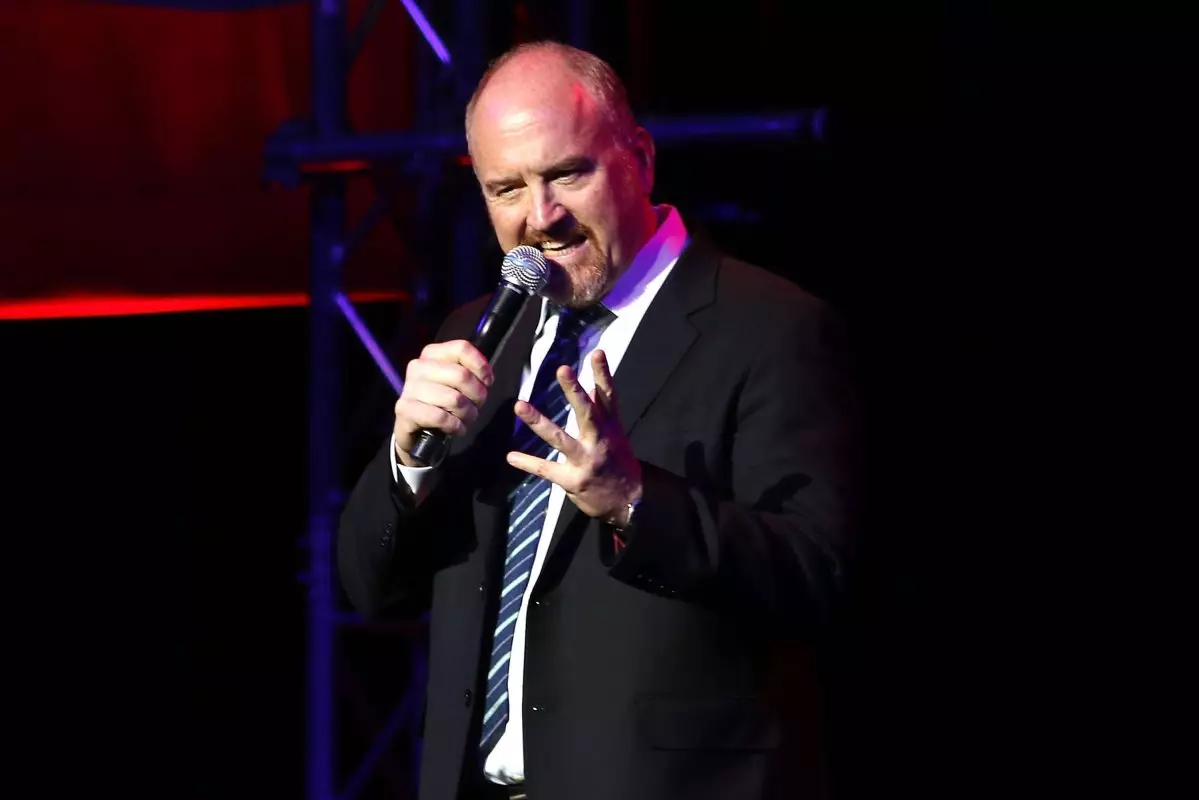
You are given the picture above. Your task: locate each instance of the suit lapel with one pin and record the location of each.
(663, 337)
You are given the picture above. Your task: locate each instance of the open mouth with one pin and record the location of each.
(565, 248)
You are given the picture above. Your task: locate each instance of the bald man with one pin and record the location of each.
(641, 528)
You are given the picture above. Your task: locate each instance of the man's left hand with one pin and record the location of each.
(600, 475)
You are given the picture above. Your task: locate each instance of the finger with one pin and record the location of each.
(583, 407)
(551, 433)
(413, 415)
(443, 397)
(460, 351)
(552, 471)
(605, 389)
(453, 375)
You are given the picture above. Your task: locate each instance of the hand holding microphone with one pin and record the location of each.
(447, 385)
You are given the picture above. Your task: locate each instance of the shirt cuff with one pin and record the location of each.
(420, 480)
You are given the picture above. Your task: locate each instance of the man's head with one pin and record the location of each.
(562, 165)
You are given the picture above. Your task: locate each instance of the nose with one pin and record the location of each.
(545, 211)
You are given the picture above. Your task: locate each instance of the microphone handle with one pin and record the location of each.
(430, 446)
(494, 326)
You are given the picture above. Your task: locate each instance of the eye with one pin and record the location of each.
(571, 172)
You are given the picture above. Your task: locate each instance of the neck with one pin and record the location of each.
(649, 220)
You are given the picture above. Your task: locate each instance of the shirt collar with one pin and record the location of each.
(628, 295)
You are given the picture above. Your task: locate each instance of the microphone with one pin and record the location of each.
(523, 274)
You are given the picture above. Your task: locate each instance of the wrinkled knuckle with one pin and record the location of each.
(407, 408)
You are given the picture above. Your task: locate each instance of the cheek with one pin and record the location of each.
(506, 226)
(600, 213)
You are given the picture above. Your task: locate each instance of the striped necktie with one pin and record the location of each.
(526, 511)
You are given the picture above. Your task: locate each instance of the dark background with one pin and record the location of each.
(976, 214)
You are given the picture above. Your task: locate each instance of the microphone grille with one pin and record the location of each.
(525, 266)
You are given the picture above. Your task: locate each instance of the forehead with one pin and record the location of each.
(527, 122)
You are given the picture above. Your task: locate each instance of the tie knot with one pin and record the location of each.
(573, 321)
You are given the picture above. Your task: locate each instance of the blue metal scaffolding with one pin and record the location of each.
(306, 153)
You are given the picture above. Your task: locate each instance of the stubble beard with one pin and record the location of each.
(582, 284)
(588, 282)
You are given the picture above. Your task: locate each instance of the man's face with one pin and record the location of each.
(556, 174)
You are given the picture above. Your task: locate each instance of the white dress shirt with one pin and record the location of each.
(627, 300)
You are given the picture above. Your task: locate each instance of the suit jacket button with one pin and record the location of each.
(467, 696)
(480, 588)
(537, 708)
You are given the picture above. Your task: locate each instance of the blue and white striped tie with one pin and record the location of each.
(526, 516)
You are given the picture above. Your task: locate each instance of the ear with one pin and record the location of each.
(643, 152)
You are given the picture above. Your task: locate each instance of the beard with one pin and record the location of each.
(581, 283)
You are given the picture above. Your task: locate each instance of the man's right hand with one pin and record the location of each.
(443, 390)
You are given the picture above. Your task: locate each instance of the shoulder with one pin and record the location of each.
(760, 292)
(759, 309)
(749, 300)
(777, 327)
(460, 323)
(711, 274)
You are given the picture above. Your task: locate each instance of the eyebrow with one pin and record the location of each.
(570, 164)
(577, 163)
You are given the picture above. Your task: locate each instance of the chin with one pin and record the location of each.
(572, 299)
(577, 291)
(583, 296)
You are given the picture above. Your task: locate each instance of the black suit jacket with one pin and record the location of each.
(680, 667)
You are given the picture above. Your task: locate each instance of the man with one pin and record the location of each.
(640, 527)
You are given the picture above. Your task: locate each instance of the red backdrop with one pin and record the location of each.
(132, 139)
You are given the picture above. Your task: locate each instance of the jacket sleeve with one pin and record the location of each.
(777, 547)
(388, 547)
